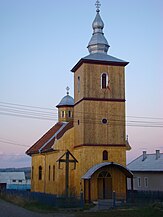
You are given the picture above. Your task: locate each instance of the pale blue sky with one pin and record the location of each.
(41, 40)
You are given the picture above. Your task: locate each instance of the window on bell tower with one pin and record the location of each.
(105, 155)
(69, 114)
(104, 80)
(62, 114)
(78, 84)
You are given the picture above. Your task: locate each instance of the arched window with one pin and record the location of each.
(53, 172)
(49, 172)
(104, 174)
(62, 114)
(78, 84)
(104, 80)
(105, 155)
(40, 173)
(69, 114)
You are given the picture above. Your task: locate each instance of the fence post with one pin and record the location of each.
(114, 199)
(81, 199)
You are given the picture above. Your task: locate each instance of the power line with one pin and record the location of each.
(93, 120)
(4, 107)
(12, 143)
(113, 124)
(56, 111)
(3, 155)
(22, 112)
(27, 116)
(29, 106)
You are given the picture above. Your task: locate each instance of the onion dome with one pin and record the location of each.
(98, 42)
(66, 101)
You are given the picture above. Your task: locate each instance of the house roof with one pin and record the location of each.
(96, 167)
(7, 176)
(149, 163)
(46, 142)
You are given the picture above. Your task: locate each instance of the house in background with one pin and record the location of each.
(14, 180)
(148, 172)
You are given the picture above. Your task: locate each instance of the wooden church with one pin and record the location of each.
(86, 150)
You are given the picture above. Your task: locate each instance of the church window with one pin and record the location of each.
(104, 80)
(104, 121)
(49, 172)
(53, 172)
(78, 84)
(40, 173)
(69, 114)
(105, 155)
(62, 114)
(104, 174)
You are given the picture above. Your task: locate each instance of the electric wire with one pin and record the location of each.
(12, 143)
(25, 111)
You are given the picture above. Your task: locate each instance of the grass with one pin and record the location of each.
(128, 212)
(30, 205)
(152, 210)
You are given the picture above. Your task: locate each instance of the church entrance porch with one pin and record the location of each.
(101, 180)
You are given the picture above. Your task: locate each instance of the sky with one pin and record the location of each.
(41, 41)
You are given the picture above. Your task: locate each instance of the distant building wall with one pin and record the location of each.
(147, 181)
(14, 180)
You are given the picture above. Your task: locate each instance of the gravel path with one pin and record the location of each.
(11, 210)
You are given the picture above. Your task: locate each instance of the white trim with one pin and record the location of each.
(107, 79)
(64, 124)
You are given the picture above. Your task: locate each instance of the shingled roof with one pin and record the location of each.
(46, 142)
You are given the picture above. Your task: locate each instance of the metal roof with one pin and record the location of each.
(6, 176)
(66, 101)
(96, 167)
(98, 47)
(104, 57)
(99, 58)
(151, 163)
(98, 42)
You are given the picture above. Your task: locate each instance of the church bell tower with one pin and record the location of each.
(99, 98)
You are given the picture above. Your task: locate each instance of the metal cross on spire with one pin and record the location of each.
(98, 6)
(67, 88)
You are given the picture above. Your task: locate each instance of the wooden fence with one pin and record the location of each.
(47, 199)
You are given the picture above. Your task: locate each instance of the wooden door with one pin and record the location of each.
(104, 185)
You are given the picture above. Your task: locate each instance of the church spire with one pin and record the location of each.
(98, 42)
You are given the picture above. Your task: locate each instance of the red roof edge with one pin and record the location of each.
(34, 149)
(45, 143)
